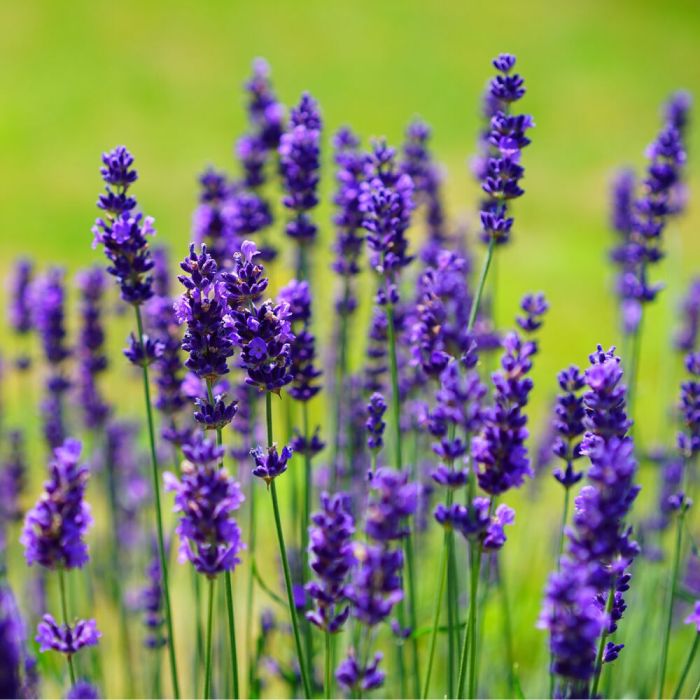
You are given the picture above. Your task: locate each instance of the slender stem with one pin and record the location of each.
(634, 367)
(328, 676)
(696, 694)
(341, 373)
(283, 556)
(250, 607)
(210, 624)
(436, 616)
(480, 288)
(688, 664)
(64, 610)
(670, 595)
(229, 592)
(306, 520)
(199, 635)
(474, 585)
(601, 645)
(159, 514)
(396, 415)
(507, 626)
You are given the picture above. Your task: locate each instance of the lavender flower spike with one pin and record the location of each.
(331, 558)
(206, 498)
(66, 639)
(55, 526)
(122, 233)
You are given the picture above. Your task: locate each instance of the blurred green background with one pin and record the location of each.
(165, 79)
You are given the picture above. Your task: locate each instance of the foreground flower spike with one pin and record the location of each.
(123, 234)
(331, 557)
(206, 497)
(299, 152)
(20, 307)
(48, 295)
(54, 528)
(568, 424)
(502, 171)
(584, 598)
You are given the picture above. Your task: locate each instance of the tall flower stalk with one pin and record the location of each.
(123, 235)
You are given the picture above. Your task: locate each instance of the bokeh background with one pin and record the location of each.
(165, 79)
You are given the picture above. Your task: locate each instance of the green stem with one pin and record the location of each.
(342, 369)
(210, 625)
(199, 635)
(688, 664)
(328, 684)
(474, 585)
(507, 626)
(480, 288)
(159, 514)
(64, 610)
(306, 520)
(229, 593)
(250, 595)
(634, 367)
(283, 556)
(436, 616)
(396, 415)
(671, 591)
(601, 645)
(696, 694)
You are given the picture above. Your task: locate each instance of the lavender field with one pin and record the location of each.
(291, 408)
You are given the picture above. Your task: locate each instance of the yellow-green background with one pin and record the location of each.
(165, 79)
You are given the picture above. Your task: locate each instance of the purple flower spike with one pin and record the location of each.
(206, 497)
(534, 306)
(202, 307)
(351, 676)
(12, 638)
(386, 199)
(144, 353)
(216, 415)
(686, 338)
(694, 617)
(270, 465)
(331, 557)
(689, 438)
(246, 283)
(20, 305)
(123, 234)
(66, 639)
(568, 425)
(83, 690)
(55, 526)
(299, 166)
(376, 583)
(376, 408)
(394, 499)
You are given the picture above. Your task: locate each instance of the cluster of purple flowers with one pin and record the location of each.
(20, 306)
(499, 450)
(640, 220)
(122, 233)
(501, 171)
(54, 528)
(206, 497)
(299, 152)
(568, 424)
(689, 437)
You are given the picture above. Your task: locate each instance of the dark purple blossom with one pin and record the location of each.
(214, 414)
(246, 213)
(501, 172)
(299, 152)
(307, 446)
(202, 306)
(604, 402)
(55, 526)
(11, 645)
(351, 164)
(476, 523)
(66, 639)
(376, 408)
(151, 603)
(83, 690)
(376, 586)
(205, 498)
(270, 464)
(209, 226)
(13, 478)
(303, 347)
(694, 617)
(265, 112)
(394, 498)
(386, 200)
(330, 557)
(686, 338)
(568, 425)
(352, 676)
(123, 233)
(144, 352)
(689, 437)
(534, 306)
